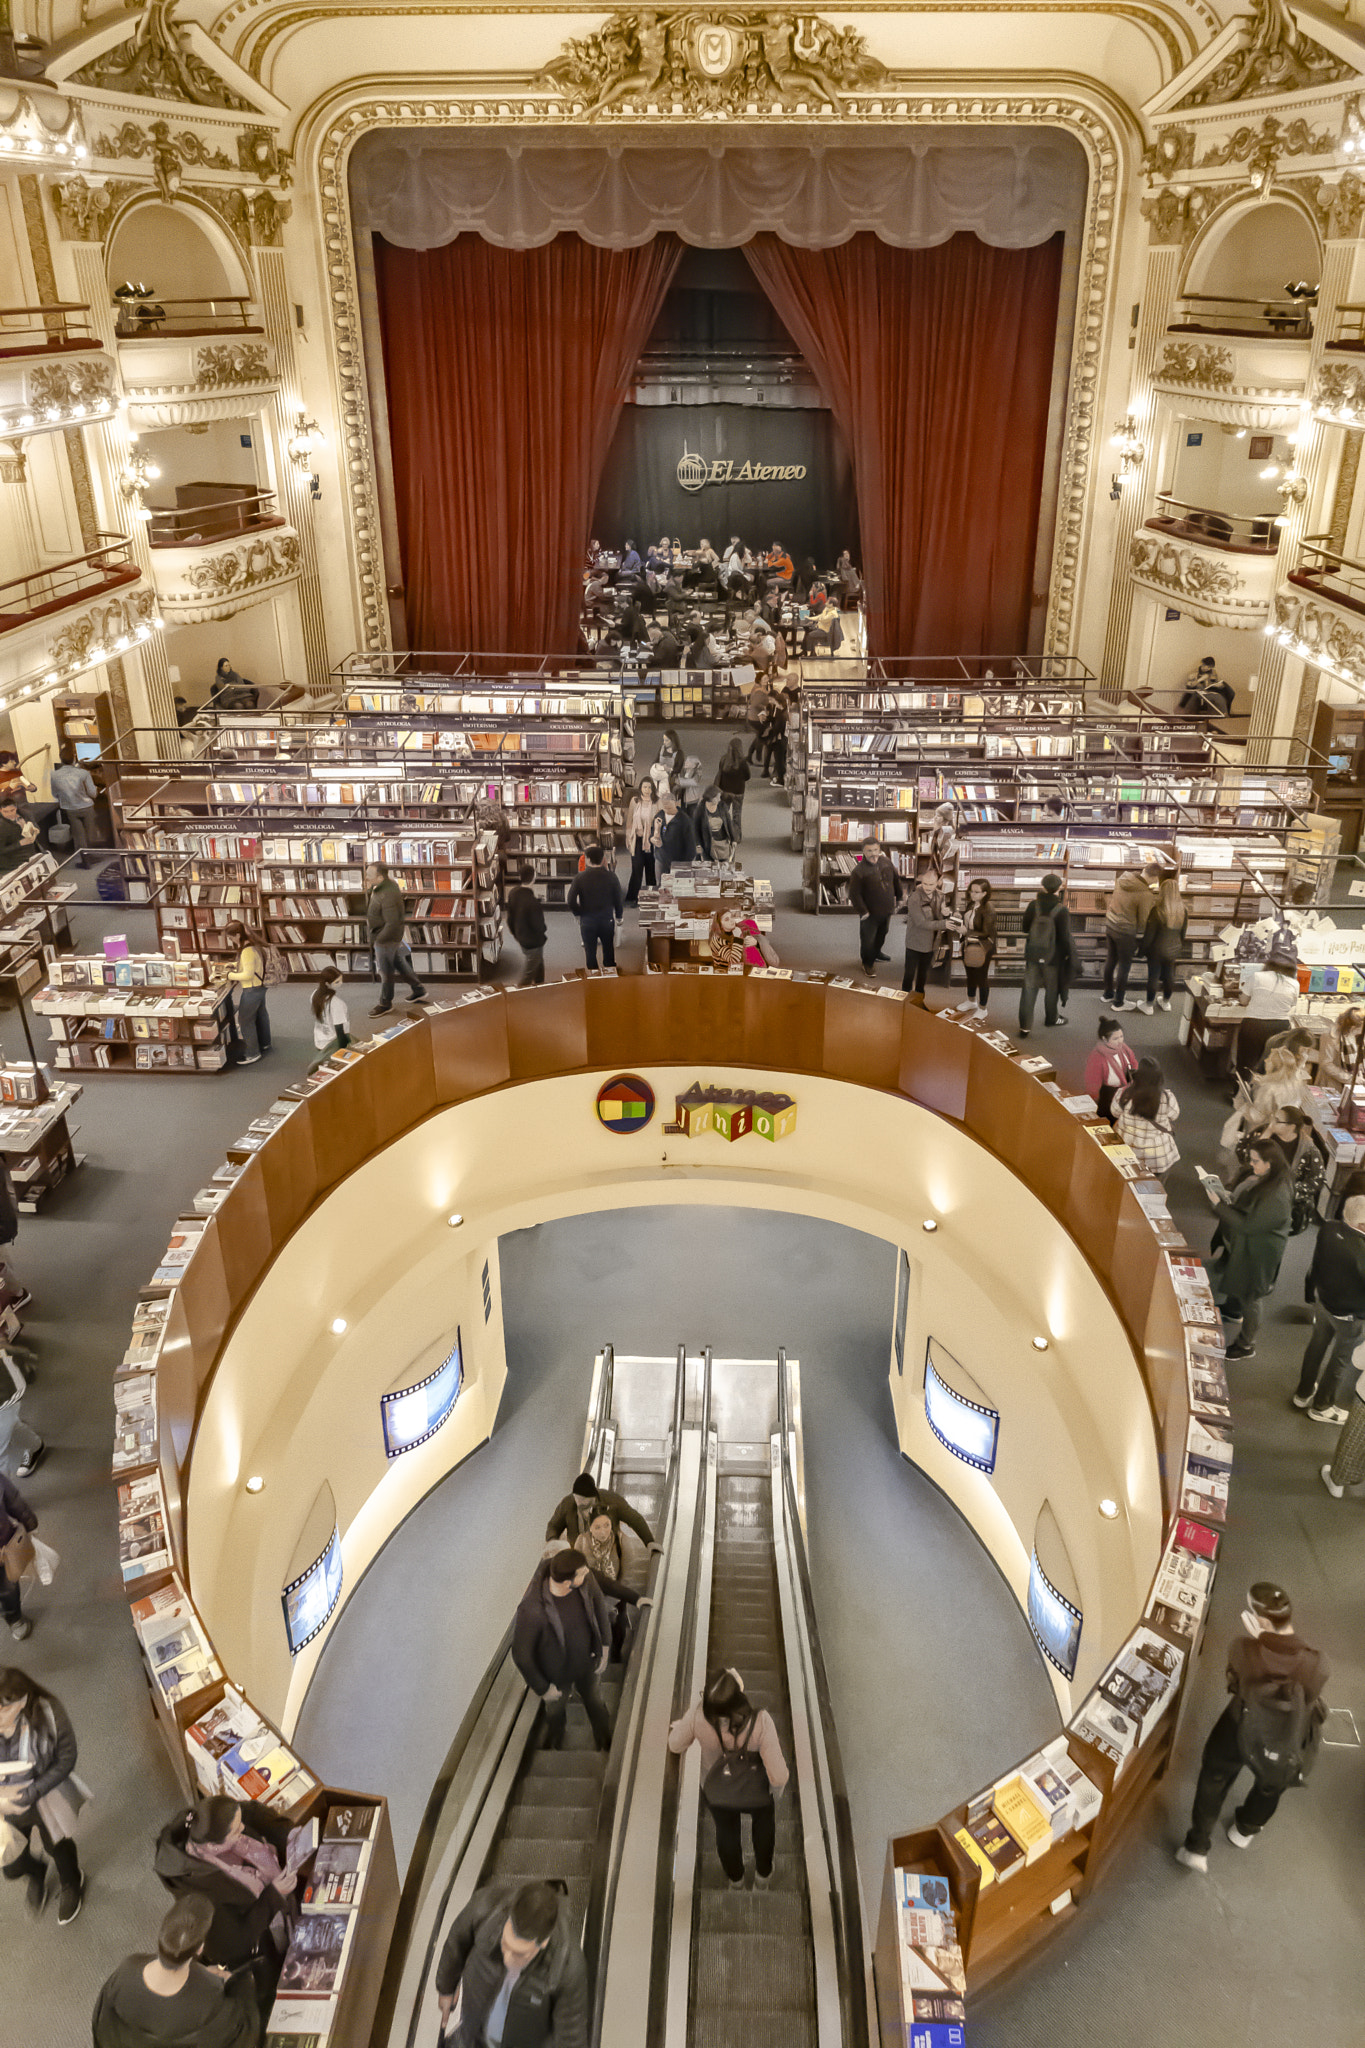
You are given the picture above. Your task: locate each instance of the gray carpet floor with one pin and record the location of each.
(936, 1683)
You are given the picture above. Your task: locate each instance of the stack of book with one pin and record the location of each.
(1017, 1820)
(233, 1749)
(1208, 1468)
(178, 1253)
(143, 1542)
(933, 1977)
(178, 1653)
(135, 1423)
(1180, 1591)
(309, 1990)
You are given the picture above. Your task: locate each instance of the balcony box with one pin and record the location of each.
(1215, 586)
(216, 579)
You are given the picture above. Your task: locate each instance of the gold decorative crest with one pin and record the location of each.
(723, 62)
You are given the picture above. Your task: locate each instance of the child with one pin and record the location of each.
(331, 1018)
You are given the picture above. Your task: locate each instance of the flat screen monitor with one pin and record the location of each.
(1056, 1624)
(87, 750)
(310, 1598)
(412, 1414)
(966, 1428)
(902, 1309)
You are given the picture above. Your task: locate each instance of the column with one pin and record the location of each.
(277, 317)
(1163, 271)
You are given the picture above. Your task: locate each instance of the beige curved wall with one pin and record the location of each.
(294, 1403)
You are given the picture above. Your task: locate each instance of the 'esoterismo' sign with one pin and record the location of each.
(694, 472)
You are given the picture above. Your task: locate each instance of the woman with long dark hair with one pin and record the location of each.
(1146, 1114)
(39, 1793)
(731, 777)
(1253, 1230)
(742, 1770)
(978, 943)
(331, 1018)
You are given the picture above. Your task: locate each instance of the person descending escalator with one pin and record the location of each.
(512, 1958)
(560, 1643)
(743, 1771)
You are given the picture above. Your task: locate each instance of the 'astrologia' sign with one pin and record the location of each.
(695, 472)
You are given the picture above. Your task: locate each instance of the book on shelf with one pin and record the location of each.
(993, 1839)
(319, 1944)
(338, 1876)
(135, 1421)
(143, 1539)
(179, 1655)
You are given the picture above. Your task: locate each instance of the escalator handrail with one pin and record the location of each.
(605, 1392)
(679, 1396)
(605, 1866)
(848, 1904)
(414, 1883)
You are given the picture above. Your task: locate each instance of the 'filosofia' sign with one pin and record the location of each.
(733, 1112)
(694, 472)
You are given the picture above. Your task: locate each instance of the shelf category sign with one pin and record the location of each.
(1056, 1624)
(968, 1429)
(411, 1414)
(310, 1598)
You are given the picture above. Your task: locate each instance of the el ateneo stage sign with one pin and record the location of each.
(689, 470)
(695, 473)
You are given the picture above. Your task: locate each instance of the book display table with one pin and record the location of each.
(36, 1143)
(676, 917)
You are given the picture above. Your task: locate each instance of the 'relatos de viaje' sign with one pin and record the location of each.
(695, 472)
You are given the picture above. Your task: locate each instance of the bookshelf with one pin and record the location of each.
(143, 1013)
(35, 1140)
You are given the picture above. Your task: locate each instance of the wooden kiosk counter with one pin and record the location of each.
(763, 1023)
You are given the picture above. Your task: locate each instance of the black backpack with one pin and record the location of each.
(1280, 1732)
(1040, 947)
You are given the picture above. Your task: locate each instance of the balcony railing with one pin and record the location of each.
(145, 318)
(1202, 313)
(1239, 533)
(1349, 330)
(37, 330)
(1323, 568)
(62, 584)
(200, 520)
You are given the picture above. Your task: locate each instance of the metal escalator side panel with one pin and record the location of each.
(684, 1858)
(628, 1950)
(805, 1742)
(599, 1406)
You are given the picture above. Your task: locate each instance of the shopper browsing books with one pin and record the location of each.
(675, 836)
(17, 1522)
(978, 944)
(1248, 1245)
(712, 821)
(874, 890)
(742, 1770)
(1271, 1726)
(1048, 953)
(1110, 1067)
(171, 1999)
(39, 1793)
(252, 1017)
(1130, 904)
(237, 1856)
(594, 898)
(1165, 942)
(1146, 1112)
(526, 923)
(560, 1643)
(1336, 1288)
(639, 842)
(518, 1970)
(731, 777)
(925, 924)
(386, 916)
(331, 1018)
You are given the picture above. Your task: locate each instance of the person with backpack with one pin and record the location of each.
(386, 915)
(1336, 1288)
(515, 1962)
(1047, 949)
(1271, 1726)
(253, 1019)
(742, 1771)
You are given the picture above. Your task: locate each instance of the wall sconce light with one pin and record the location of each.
(1292, 488)
(139, 474)
(1128, 442)
(307, 436)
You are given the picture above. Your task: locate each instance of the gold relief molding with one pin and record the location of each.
(685, 60)
(1208, 590)
(216, 585)
(1091, 124)
(1277, 57)
(1317, 634)
(1196, 362)
(232, 362)
(156, 62)
(1336, 204)
(101, 626)
(169, 153)
(76, 381)
(85, 210)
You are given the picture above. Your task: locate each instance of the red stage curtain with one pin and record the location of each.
(937, 363)
(506, 371)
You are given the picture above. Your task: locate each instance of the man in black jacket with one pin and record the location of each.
(169, 1999)
(874, 890)
(560, 1642)
(1048, 954)
(596, 901)
(519, 1970)
(526, 922)
(580, 1508)
(1336, 1287)
(675, 835)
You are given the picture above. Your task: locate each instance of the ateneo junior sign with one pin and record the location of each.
(695, 472)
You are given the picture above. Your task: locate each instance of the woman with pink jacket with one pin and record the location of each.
(742, 1769)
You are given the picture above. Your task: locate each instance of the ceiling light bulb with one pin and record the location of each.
(455, 1221)
(1040, 1343)
(929, 1224)
(1110, 1510)
(255, 1484)
(338, 1326)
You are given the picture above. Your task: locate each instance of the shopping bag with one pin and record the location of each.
(45, 1561)
(18, 1555)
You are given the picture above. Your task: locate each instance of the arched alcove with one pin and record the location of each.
(177, 252)
(1254, 251)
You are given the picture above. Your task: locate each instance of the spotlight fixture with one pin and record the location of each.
(1040, 1343)
(455, 1221)
(255, 1484)
(338, 1326)
(1110, 1510)
(929, 1224)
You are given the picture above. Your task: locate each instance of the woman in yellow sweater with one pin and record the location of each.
(253, 1019)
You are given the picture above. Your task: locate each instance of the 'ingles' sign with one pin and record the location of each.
(694, 472)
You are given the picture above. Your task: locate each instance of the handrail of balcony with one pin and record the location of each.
(1323, 567)
(1290, 319)
(185, 526)
(1349, 331)
(102, 567)
(146, 318)
(25, 329)
(1237, 532)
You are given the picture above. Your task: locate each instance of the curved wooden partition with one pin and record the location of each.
(492, 1041)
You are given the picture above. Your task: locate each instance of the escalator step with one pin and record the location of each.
(742, 1972)
(522, 1856)
(712, 2029)
(789, 1871)
(771, 1912)
(563, 1763)
(528, 1822)
(562, 1788)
